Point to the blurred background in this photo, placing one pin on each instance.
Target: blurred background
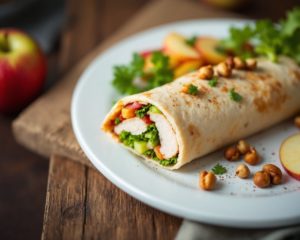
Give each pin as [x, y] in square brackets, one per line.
[53, 23]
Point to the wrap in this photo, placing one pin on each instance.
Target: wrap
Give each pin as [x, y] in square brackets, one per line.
[207, 121]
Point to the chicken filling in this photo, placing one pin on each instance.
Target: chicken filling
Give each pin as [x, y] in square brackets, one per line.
[146, 130]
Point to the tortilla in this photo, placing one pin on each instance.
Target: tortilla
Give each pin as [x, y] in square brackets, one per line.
[211, 119]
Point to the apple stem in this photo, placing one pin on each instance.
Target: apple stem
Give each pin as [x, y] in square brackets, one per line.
[4, 46]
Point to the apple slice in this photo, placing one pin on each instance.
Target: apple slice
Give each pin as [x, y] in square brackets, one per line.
[290, 156]
[187, 67]
[175, 44]
[207, 46]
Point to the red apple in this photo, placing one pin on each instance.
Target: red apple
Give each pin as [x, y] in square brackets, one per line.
[22, 69]
[290, 156]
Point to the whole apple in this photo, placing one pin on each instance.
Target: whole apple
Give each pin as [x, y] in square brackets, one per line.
[22, 69]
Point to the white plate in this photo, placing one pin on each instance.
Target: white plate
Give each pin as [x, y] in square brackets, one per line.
[235, 202]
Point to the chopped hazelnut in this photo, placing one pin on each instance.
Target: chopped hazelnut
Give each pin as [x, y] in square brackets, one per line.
[252, 157]
[297, 121]
[206, 72]
[223, 69]
[207, 180]
[239, 63]
[242, 171]
[232, 154]
[251, 63]
[185, 89]
[243, 147]
[262, 179]
[275, 173]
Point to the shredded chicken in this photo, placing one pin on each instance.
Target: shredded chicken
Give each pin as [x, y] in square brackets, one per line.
[167, 137]
[134, 125]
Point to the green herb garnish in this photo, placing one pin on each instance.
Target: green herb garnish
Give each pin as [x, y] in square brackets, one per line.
[213, 82]
[117, 121]
[219, 169]
[234, 96]
[161, 72]
[124, 75]
[191, 41]
[266, 38]
[192, 89]
[142, 111]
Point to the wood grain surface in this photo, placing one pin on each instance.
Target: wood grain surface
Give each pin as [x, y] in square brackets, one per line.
[82, 204]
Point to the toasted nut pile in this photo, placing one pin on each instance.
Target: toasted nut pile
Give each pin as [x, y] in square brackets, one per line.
[252, 156]
[242, 171]
[275, 173]
[206, 72]
[207, 180]
[232, 154]
[262, 179]
[297, 121]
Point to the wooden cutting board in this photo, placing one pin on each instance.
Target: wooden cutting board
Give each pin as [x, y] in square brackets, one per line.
[45, 127]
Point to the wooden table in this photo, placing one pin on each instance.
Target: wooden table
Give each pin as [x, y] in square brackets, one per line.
[81, 203]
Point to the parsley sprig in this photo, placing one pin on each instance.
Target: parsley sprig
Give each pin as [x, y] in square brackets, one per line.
[219, 169]
[124, 75]
[266, 38]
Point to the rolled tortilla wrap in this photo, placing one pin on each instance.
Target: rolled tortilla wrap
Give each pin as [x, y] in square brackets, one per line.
[211, 119]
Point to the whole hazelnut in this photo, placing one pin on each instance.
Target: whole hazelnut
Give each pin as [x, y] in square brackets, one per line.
[251, 63]
[242, 171]
[252, 156]
[207, 180]
[274, 172]
[243, 147]
[239, 63]
[297, 121]
[223, 69]
[230, 62]
[262, 179]
[206, 72]
[232, 153]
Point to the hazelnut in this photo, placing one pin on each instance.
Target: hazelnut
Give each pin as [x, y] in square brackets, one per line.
[239, 63]
[232, 154]
[297, 121]
[242, 171]
[243, 147]
[206, 72]
[207, 180]
[223, 69]
[251, 63]
[252, 156]
[262, 179]
[230, 62]
[274, 172]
